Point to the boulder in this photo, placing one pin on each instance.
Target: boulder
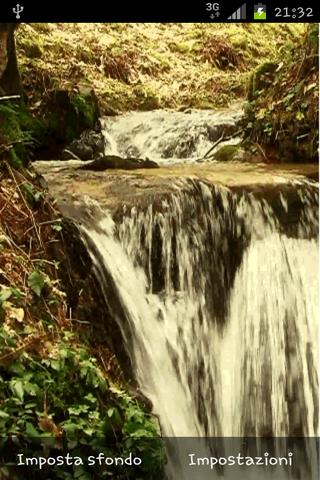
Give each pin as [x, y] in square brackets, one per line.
[66, 115]
[229, 153]
[114, 162]
[89, 146]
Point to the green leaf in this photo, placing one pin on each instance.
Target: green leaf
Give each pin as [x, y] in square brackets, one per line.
[299, 115]
[31, 389]
[80, 473]
[4, 414]
[36, 282]
[70, 427]
[90, 398]
[31, 431]
[17, 293]
[17, 388]
[110, 412]
[31, 193]
[5, 294]
[78, 410]
[57, 227]
[55, 364]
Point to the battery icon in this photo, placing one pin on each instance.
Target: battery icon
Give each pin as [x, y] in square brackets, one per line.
[260, 12]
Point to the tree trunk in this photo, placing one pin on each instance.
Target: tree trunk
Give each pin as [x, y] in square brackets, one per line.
[10, 83]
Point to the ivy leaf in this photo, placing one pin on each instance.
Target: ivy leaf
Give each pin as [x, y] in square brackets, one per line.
[70, 427]
[36, 282]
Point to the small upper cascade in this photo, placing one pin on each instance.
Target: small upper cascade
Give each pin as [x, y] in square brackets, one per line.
[170, 137]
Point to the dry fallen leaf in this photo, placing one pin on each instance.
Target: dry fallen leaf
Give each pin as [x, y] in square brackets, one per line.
[13, 313]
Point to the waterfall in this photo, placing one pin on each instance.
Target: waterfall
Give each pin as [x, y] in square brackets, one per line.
[167, 136]
[217, 307]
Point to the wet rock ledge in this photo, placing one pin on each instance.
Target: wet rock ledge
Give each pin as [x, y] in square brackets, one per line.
[118, 190]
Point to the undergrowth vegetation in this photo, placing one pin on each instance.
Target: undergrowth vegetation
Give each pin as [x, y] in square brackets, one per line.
[282, 113]
[146, 66]
[55, 392]
[62, 117]
[18, 131]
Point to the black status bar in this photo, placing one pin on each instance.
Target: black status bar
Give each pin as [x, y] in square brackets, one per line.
[199, 11]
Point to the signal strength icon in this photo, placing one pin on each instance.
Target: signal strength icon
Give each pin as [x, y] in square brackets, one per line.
[240, 14]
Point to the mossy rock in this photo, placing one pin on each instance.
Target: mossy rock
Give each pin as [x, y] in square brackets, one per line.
[261, 79]
[229, 153]
[90, 145]
[66, 115]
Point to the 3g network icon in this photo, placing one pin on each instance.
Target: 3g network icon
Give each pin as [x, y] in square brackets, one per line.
[212, 7]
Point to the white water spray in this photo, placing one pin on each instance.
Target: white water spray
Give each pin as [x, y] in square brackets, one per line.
[220, 313]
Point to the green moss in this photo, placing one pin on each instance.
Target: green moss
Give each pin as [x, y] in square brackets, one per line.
[182, 47]
[19, 131]
[261, 79]
[119, 97]
[145, 98]
[228, 153]
[86, 108]
[116, 96]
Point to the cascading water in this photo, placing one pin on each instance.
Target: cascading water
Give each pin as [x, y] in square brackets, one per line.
[167, 136]
[215, 293]
[219, 312]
